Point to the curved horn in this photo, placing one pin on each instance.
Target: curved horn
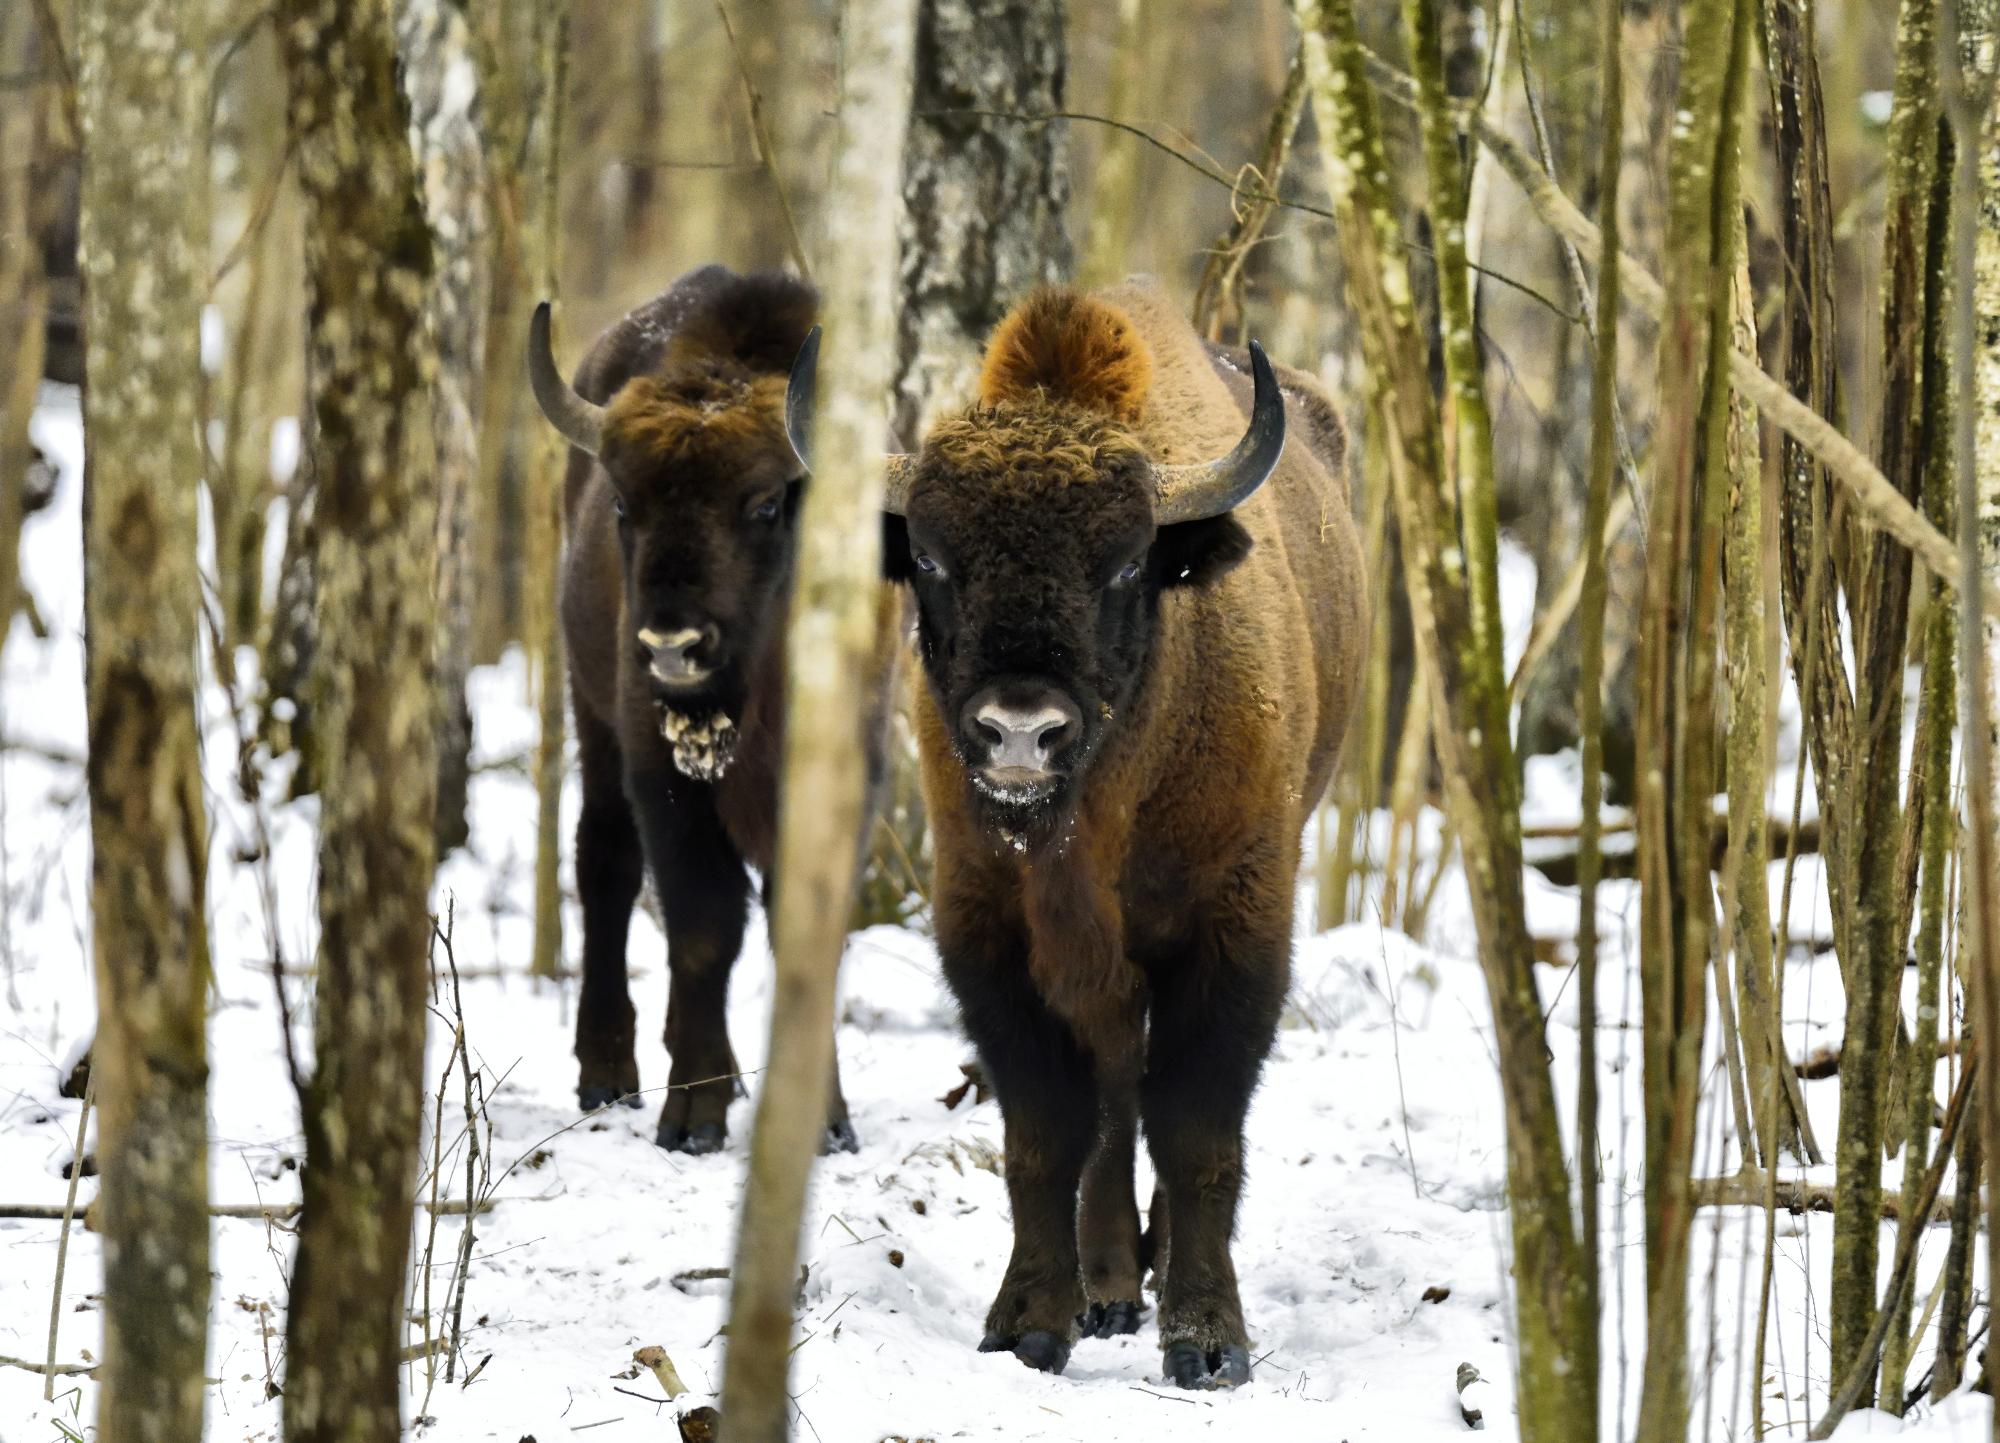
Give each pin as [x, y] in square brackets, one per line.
[902, 470]
[581, 422]
[800, 387]
[1198, 491]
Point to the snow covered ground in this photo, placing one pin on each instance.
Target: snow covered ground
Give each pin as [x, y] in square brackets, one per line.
[1372, 1247]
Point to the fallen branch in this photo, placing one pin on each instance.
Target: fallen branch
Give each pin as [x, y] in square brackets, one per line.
[269, 1212]
[1749, 1189]
[52, 1370]
[1824, 1062]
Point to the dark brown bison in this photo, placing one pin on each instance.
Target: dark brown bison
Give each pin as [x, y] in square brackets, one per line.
[1141, 661]
[682, 500]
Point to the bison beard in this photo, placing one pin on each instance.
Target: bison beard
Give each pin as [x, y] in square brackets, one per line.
[1120, 945]
[703, 747]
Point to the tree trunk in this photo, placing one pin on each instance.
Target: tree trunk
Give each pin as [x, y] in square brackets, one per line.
[23, 287]
[434, 40]
[1469, 700]
[832, 636]
[1693, 461]
[983, 193]
[369, 261]
[142, 108]
[549, 455]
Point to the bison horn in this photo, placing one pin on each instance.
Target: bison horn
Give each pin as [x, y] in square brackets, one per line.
[902, 470]
[800, 387]
[581, 422]
[1197, 492]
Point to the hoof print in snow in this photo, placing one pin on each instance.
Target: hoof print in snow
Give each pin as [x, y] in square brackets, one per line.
[1108, 1320]
[1185, 1366]
[1041, 1350]
[702, 1138]
[839, 1137]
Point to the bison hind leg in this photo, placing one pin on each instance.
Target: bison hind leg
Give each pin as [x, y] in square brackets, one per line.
[1040, 1349]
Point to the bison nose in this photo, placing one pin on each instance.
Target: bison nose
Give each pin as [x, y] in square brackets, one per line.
[1020, 731]
[681, 655]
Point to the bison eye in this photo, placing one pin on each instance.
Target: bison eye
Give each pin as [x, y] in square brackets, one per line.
[765, 510]
[926, 565]
[1129, 571]
[618, 507]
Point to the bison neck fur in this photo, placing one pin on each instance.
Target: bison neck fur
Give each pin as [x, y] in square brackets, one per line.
[1124, 944]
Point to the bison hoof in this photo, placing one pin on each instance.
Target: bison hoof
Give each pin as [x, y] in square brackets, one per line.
[702, 1138]
[593, 1099]
[1040, 1349]
[839, 1137]
[1226, 1367]
[1108, 1320]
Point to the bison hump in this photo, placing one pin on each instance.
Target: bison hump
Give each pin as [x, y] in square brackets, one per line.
[1069, 346]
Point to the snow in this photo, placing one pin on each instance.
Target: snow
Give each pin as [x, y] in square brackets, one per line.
[1375, 1166]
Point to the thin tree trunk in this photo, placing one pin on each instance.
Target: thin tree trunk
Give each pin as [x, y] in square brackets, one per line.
[1114, 191]
[833, 633]
[1689, 504]
[1975, 335]
[1468, 687]
[368, 256]
[984, 195]
[142, 109]
[1931, 822]
[1590, 631]
[545, 517]
[434, 39]
[23, 289]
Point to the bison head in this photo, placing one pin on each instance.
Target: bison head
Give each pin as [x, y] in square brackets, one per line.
[1039, 537]
[704, 488]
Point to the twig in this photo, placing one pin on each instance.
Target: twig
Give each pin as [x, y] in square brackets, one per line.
[62, 1240]
[267, 199]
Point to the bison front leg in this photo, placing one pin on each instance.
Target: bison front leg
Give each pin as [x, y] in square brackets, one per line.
[1212, 1027]
[1108, 1240]
[704, 891]
[1048, 1106]
[609, 869]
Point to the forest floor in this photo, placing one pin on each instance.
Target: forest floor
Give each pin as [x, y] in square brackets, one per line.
[1372, 1246]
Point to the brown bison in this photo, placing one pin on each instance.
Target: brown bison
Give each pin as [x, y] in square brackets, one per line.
[1140, 662]
[682, 501]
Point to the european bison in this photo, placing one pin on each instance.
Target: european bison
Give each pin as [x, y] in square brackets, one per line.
[682, 498]
[1140, 663]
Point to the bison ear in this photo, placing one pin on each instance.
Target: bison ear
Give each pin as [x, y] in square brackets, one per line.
[896, 563]
[1196, 553]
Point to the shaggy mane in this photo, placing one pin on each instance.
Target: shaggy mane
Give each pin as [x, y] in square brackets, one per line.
[1070, 347]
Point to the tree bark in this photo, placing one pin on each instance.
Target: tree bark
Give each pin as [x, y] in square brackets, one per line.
[368, 257]
[984, 192]
[1469, 701]
[832, 636]
[141, 97]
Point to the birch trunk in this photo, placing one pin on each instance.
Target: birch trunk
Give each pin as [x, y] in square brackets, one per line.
[23, 289]
[368, 257]
[983, 194]
[832, 635]
[141, 94]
